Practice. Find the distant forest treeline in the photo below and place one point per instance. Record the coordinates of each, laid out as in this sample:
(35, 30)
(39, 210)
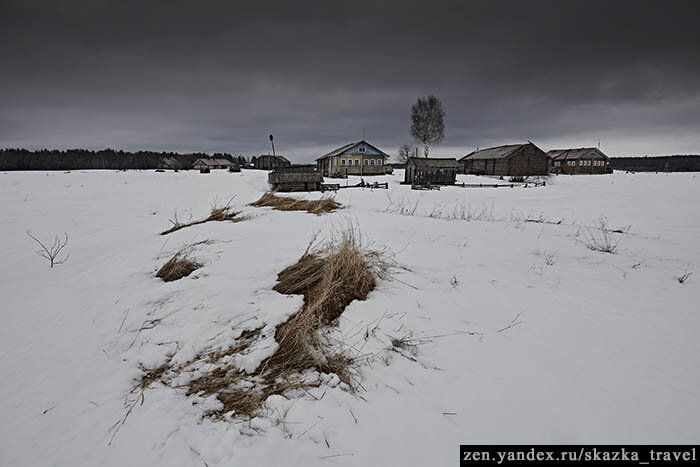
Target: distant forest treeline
(657, 163)
(74, 159)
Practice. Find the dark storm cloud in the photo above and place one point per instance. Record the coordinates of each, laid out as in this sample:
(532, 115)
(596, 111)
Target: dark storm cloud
(219, 76)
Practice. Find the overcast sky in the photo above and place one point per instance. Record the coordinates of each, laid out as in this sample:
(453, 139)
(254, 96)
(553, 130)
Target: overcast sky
(220, 76)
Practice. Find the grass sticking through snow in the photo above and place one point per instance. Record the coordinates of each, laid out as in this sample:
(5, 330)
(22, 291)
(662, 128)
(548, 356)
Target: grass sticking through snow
(287, 203)
(330, 276)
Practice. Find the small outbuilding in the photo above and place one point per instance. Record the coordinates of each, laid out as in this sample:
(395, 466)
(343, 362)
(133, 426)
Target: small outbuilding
(210, 164)
(431, 171)
(268, 162)
(515, 160)
(359, 158)
(581, 161)
(296, 177)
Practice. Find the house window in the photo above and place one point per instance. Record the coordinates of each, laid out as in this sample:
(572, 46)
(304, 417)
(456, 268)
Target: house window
(342, 161)
(557, 164)
(366, 161)
(357, 161)
(361, 150)
(371, 162)
(571, 163)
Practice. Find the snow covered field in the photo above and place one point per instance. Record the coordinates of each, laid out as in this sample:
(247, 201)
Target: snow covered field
(529, 335)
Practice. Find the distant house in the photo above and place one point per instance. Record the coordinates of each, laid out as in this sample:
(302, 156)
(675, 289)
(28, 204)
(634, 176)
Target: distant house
(200, 164)
(579, 161)
(519, 160)
(295, 177)
(268, 162)
(359, 158)
(431, 171)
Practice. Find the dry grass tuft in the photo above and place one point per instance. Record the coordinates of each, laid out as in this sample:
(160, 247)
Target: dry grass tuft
(177, 267)
(287, 203)
(329, 276)
(217, 214)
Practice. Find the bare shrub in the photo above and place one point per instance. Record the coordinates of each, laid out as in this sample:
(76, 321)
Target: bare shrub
(217, 214)
(287, 203)
(599, 237)
(402, 207)
(178, 266)
(51, 253)
(468, 213)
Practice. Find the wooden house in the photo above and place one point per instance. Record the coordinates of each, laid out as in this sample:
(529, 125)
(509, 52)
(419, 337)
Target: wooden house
(515, 160)
(359, 158)
(431, 171)
(211, 164)
(296, 177)
(268, 162)
(581, 161)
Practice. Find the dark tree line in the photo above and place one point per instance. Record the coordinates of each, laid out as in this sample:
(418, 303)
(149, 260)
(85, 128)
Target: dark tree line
(110, 159)
(657, 163)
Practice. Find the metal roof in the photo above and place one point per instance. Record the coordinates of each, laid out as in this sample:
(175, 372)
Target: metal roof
(579, 153)
(443, 162)
(497, 152)
(342, 149)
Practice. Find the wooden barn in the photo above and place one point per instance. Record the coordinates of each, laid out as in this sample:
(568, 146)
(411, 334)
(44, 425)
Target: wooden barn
(296, 177)
(210, 164)
(431, 171)
(515, 160)
(359, 158)
(581, 161)
(268, 162)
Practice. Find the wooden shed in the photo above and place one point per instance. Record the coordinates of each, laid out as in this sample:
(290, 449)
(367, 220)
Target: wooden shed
(581, 161)
(431, 171)
(268, 162)
(516, 160)
(359, 158)
(297, 177)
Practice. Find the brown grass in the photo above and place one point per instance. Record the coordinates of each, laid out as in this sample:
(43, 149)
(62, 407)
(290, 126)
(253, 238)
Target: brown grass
(329, 276)
(217, 214)
(177, 267)
(287, 203)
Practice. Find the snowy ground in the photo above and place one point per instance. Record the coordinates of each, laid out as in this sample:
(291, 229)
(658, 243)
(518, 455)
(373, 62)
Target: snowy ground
(597, 347)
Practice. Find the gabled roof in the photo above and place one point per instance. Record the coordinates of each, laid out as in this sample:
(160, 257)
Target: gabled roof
(349, 146)
(579, 153)
(497, 152)
(213, 162)
(443, 162)
(282, 158)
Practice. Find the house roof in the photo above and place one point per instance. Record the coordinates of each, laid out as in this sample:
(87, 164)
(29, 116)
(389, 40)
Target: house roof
(578, 153)
(213, 162)
(282, 158)
(444, 162)
(497, 152)
(348, 146)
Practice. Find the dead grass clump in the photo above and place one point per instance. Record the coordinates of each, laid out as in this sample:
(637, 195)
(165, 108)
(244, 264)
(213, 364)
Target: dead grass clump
(329, 276)
(217, 214)
(177, 267)
(287, 203)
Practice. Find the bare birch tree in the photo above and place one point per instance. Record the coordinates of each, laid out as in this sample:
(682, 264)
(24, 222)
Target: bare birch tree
(428, 121)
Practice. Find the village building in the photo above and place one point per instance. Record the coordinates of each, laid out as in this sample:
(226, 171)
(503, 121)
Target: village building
(515, 160)
(210, 164)
(431, 171)
(359, 158)
(296, 177)
(268, 162)
(581, 161)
